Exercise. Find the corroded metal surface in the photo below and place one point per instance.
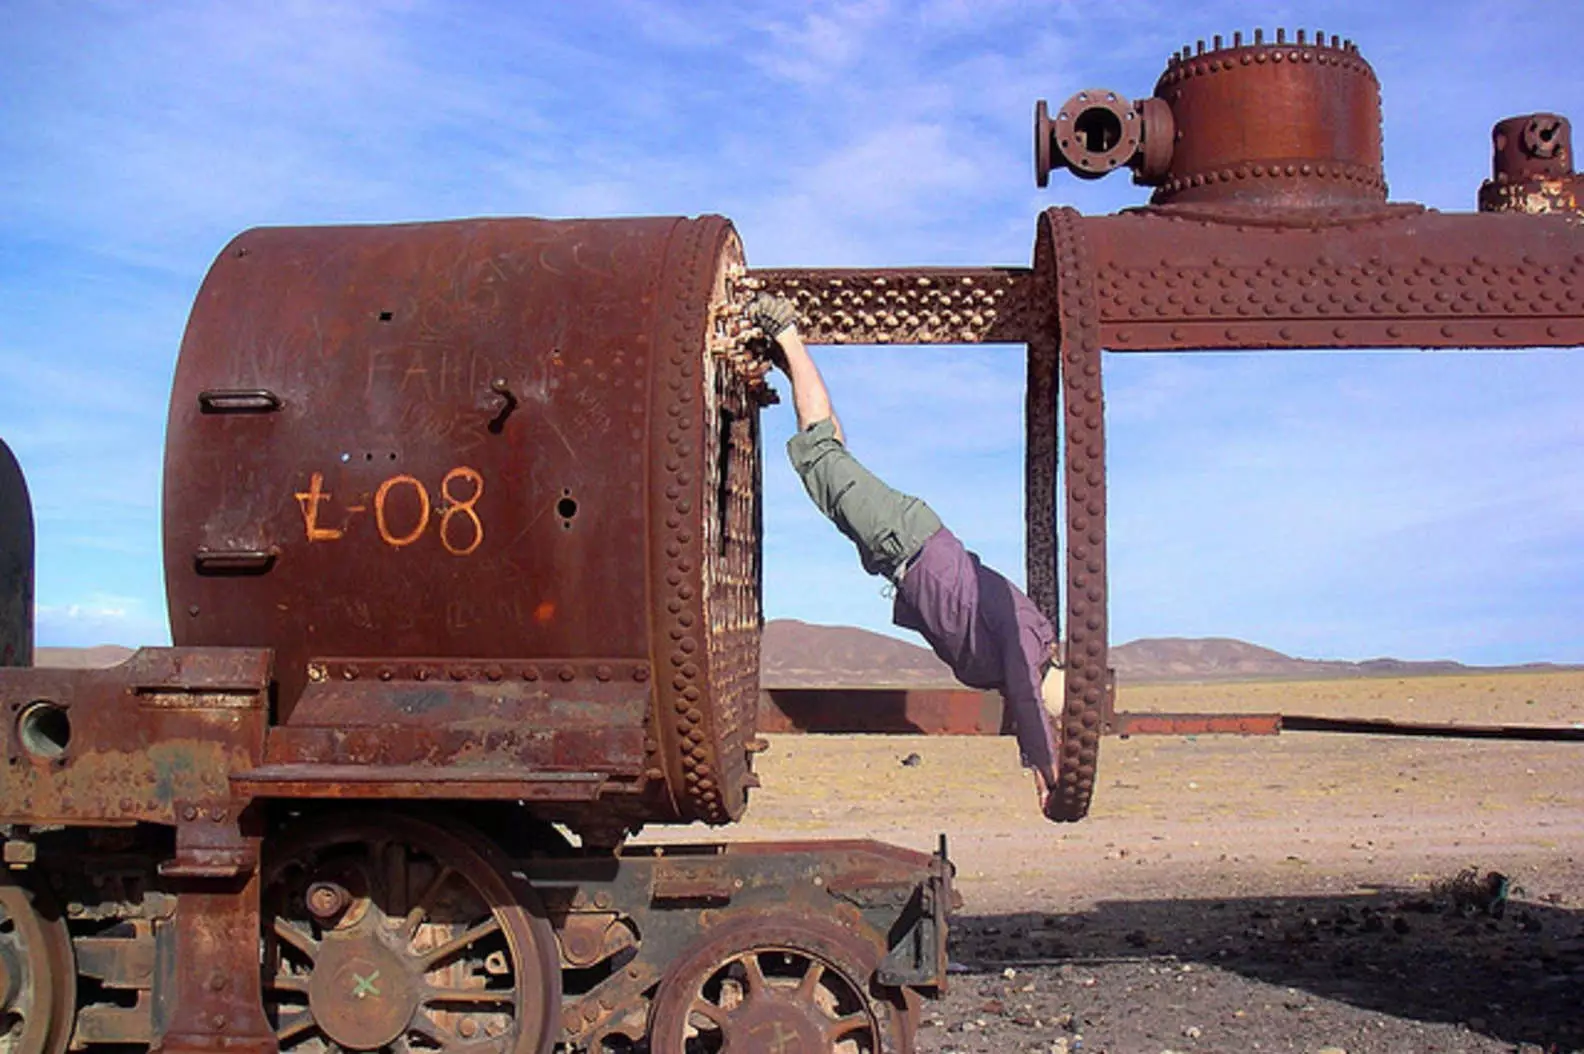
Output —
(1182, 279)
(778, 980)
(16, 564)
(149, 741)
(425, 460)
(1041, 459)
(1062, 250)
(475, 964)
(1186, 278)
(515, 951)
(1283, 123)
(920, 305)
(887, 903)
(1532, 168)
(38, 990)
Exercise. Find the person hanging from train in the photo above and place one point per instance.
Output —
(981, 625)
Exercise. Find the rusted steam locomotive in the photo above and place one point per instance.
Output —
(462, 541)
(462, 535)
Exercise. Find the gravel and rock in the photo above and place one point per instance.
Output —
(1306, 893)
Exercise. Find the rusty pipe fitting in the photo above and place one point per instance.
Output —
(1098, 131)
(1289, 123)
(1532, 167)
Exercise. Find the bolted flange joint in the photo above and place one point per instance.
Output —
(1098, 131)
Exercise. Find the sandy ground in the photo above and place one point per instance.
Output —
(1274, 893)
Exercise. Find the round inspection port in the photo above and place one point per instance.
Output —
(44, 730)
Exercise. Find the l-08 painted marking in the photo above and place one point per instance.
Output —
(452, 506)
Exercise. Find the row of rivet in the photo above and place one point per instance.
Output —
(1429, 288)
(689, 320)
(1274, 55)
(1312, 333)
(1366, 176)
(1243, 218)
(1086, 639)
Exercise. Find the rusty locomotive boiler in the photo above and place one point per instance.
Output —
(462, 538)
(497, 477)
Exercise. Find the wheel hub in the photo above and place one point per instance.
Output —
(362, 992)
(775, 1025)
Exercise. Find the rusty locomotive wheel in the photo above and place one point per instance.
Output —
(784, 982)
(38, 974)
(388, 933)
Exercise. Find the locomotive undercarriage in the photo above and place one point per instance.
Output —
(410, 930)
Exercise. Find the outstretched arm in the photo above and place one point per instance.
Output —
(810, 398)
(774, 316)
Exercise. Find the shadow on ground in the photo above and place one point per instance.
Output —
(1510, 970)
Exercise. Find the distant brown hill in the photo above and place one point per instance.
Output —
(804, 655)
(80, 658)
(797, 654)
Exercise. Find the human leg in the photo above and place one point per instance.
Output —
(886, 525)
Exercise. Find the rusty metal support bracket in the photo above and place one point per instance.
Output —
(916, 305)
(217, 1007)
(1062, 251)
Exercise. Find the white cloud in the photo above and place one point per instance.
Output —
(1313, 502)
(99, 618)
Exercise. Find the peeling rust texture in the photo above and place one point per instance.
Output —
(923, 305)
(487, 463)
(16, 564)
(1532, 168)
(151, 740)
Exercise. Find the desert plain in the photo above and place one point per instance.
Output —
(1306, 892)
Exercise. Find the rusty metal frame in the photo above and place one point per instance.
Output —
(1187, 278)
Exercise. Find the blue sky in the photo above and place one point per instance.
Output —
(1328, 505)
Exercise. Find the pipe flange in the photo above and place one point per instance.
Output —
(1096, 132)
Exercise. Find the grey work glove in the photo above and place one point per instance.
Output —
(772, 314)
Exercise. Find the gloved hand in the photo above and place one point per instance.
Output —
(772, 314)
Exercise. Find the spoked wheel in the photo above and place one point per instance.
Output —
(787, 983)
(388, 933)
(38, 974)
